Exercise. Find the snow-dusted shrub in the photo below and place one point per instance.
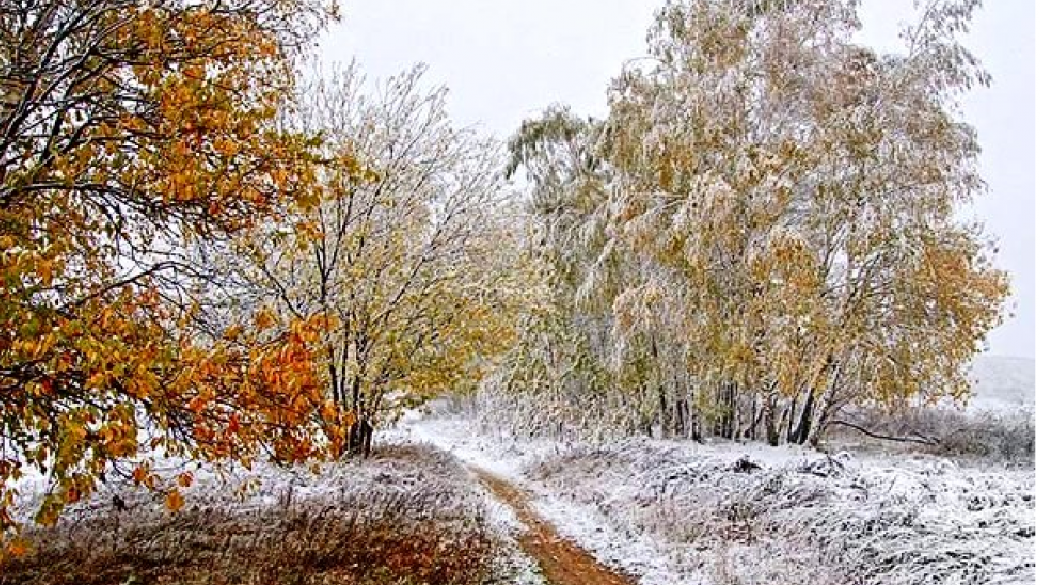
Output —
(1000, 436)
(1004, 436)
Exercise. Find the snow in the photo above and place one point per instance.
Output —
(522, 569)
(424, 484)
(623, 550)
(680, 513)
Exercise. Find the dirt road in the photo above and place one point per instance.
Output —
(562, 562)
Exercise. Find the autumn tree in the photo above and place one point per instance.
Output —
(128, 130)
(407, 259)
(779, 237)
(556, 372)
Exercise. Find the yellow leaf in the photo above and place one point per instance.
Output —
(232, 333)
(46, 272)
(264, 319)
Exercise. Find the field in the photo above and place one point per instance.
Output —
(448, 498)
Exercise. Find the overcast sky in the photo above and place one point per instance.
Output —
(505, 60)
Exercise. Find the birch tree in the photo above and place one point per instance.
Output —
(778, 239)
(407, 259)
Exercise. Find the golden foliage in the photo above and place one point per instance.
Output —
(130, 131)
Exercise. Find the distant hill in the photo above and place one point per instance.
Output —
(1003, 383)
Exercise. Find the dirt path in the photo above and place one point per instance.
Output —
(562, 562)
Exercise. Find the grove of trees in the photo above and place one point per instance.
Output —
(763, 230)
(213, 248)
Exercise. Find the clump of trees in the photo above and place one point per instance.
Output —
(762, 231)
(406, 255)
(206, 254)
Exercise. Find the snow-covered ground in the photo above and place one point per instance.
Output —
(683, 513)
(633, 554)
(401, 483)
(678, 513)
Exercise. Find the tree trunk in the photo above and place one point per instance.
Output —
(334, 376)
(663, 411)
(734, 425)
(355, 395)
(757, 414)
(726, 427)
(828, 404)
(679, 418)
(801, 433)
(772, 432)
(789, 414)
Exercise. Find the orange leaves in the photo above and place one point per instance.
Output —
(18, 546)
(174, 500)
(233, 333)
(76, 431)
(307, 231)
(197, 404)
(234, 423)
(350, 418)
(185, 479)
(45, 270)
(330, 413)
(265, 319)
(187, 148)
(226, 147)
(140, 474)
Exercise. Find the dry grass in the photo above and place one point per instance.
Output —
(400, 537)
(1006, 438)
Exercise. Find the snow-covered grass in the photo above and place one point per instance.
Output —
(678, 512)
(610, 543)
(411, 514)
(994, 438)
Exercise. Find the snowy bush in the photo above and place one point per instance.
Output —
(999, 436)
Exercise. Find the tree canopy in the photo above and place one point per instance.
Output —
(127, 131)
(763, 230)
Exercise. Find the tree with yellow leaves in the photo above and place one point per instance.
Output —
(405, 256)
(775, 236)
(128, 130)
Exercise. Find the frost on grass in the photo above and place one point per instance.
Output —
(511, 564)
(840, 519)
(677, 512)
(410, 512)
(510, 458)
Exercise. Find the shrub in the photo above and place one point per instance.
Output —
(1005, 437)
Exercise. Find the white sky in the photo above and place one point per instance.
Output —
(506, 60)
